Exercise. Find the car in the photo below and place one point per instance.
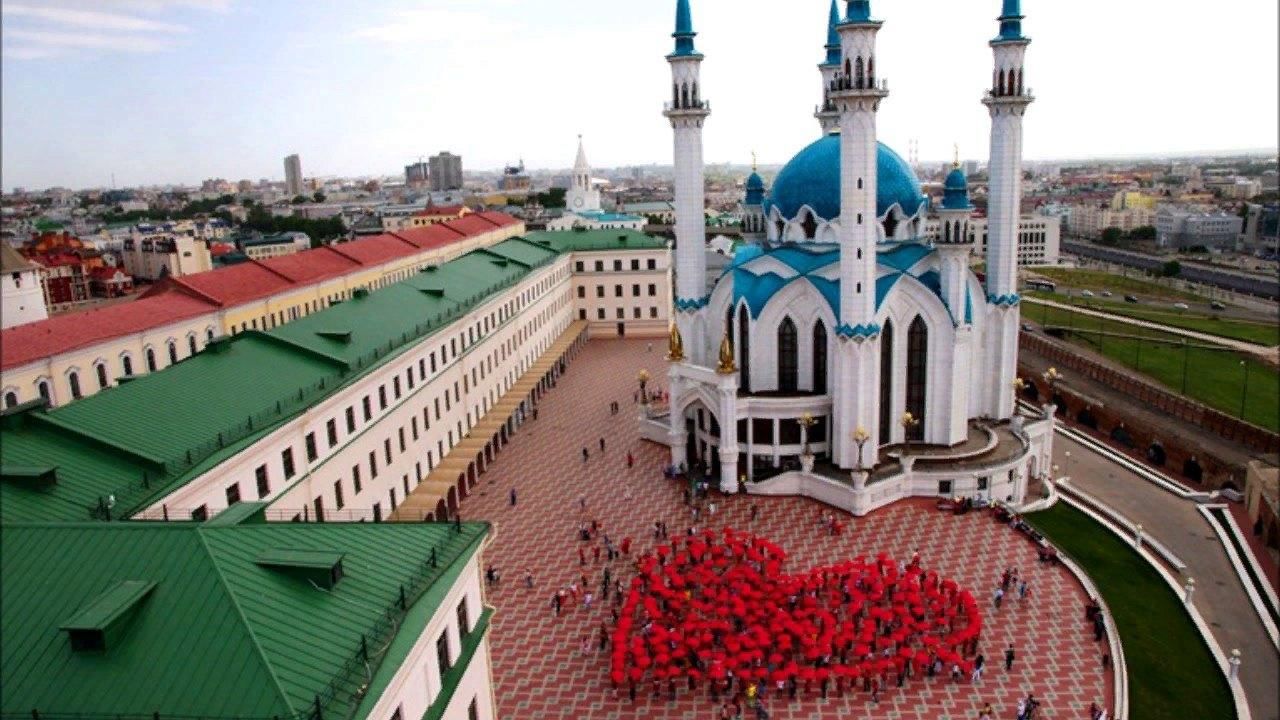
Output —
(1028, 327)
(1086, 293)
(1106, 293)
(1217, 305)
(1131, 298)
(1179, 306)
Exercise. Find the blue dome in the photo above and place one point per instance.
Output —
(955, 191)
(813, 178)
(755, 190)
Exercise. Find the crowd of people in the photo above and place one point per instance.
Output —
(717, 609)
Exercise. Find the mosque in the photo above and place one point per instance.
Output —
(841, 349)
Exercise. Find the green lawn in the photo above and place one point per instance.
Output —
(1192, 319)
(1097, 280)
(1214, 377)
(1172, 674)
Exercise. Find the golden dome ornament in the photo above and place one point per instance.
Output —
(675, 345)
(726, 366)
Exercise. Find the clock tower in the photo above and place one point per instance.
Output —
(582, 196)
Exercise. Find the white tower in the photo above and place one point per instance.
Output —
(857, 97)
(1007, 100)
(582, 195)
(827, 115)
(954, 248)
(687, 112)
(21, 294)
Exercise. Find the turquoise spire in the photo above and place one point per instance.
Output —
(684, 33)
(1011, 21)
(833, 37)
(859, 11)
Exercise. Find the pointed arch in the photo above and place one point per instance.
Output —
(917, 373)
(1000, 85)
(886, 381)
(684, 95)
(788, 356)
(695, 93)
(871, 71)
(744, 348)
(819, 357)
(858, 75)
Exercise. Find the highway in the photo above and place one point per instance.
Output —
(1222, 278)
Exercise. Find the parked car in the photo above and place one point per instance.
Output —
(1086, 293)
(1217, 305)
(1179, 306)
(1028, 327)
(1106, 293)
(1131, 298)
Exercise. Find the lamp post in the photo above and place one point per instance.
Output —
(908, 422)
(1067, 455)
(643, 377)
(806, 421)
(1018, 386)
(860, 438)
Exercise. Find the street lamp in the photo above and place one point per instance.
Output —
(1018, 386)
(806, 421)
(643, 377)
(860, 437)
(1067, 455)
(908, 422)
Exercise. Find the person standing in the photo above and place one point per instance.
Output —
(1008, 658)
(585, 454)
(513, 497)
(601, 444)
(557, 601)
(978, 663)
(528, 578)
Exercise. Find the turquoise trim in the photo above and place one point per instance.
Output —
(686, 305)
(858, 332)
(1006, 300)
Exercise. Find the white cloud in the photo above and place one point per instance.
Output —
(49, 39)
(89, 18)
(427, 25)
(29, 52)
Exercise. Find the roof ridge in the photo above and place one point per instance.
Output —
(244, 620)
(294, 345)
(334, 247)
(273, 271)
(182, 287)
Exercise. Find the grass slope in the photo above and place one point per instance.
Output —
(1172, 674)
(1255, 332)
(1213, 377)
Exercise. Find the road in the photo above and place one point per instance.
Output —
(1269, 354)
(1220, 596)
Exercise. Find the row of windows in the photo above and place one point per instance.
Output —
(619, 313)
(618, 290)
(446, 657)
(598, 265)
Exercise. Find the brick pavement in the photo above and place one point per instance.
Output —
(540, 670)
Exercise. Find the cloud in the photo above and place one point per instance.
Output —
(427, 25)
(29, 52)
(48, 40)
(89, 18)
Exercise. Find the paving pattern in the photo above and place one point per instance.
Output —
(540, 667)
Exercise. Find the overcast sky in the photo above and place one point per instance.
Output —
(162, 91)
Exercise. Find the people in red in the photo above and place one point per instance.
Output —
(718, 606)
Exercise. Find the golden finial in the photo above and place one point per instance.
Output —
(956, 148)
(726, 366)
(753, 161)
(675, 345)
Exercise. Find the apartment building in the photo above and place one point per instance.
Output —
(1039, 238)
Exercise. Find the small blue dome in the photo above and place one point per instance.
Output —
(812, 178)
(755, 190)
(955, 191)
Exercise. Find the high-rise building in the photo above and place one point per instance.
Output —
(446, 171)
(293, 175)
(416, 175)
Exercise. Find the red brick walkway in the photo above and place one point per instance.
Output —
(540, 670)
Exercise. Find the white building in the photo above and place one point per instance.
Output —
(842, 334)
(1039, 238)
(582, 203)
(1179, 228)
(153, 252)
(21, 296)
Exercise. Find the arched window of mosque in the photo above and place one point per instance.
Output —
(1020, 76)
(857, 72)
(871, 70)
(917, 373)
(788, 356)
(73, 379)
(10, 399)
(695, 94)
(101, 369)
(126, 363)
(809, 225)
(847, 71)
(782, 227)
(728, 325)
(886, 381)
(890, 225)
(859, 183)
(744, 349)
(819, 357)
(684, 95)
(946, 232)
(675, 95)
(1000, 86)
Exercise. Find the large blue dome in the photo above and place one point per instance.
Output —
(813, 178)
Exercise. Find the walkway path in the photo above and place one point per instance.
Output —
(1177, 524)
(540, 668)
(1269, 354)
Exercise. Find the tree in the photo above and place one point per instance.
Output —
(1111, 236)
(1144, 232)
(318, 197)
(299, 199)
(1171, 269)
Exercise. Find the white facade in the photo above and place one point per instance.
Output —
(851, 312)
(623, 293)
(21, 296)
(582, 195)
(1039, 238)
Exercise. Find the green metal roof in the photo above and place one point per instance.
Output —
(122, 449)
(217, 636)
(597, 240)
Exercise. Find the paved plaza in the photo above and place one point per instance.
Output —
(540, 667)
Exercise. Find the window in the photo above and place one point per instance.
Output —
(473, 711)
(635, 291)
(200, 514)
(886, 381)
(45, 394)
(464, 620)
(262, 481)
(173, 353)
(744, 350)
(917, 373)
(233, 494)
(191, 344)
(617, 266)
(442, 652)
(102, 376)
(393, 499)
(10, 399)
(373, 464)
(617, 291)
(73, 379)
(635, 313)
(337, 495)
(400, 432)
(382, 397)
(635, 264)
(286, 459)
(351, 419)
(311, 446)
(126, 363)
(819, 357)
(653, 311)
(331, 429)
(788, 356)
(599, 291)
(377, 512)
(395, 386)
(653, 290)
(386, 449)
(151, 360)
(367, 406)
(398, 714)
(651, 264)
(582, 291)
(621, 314)
(577, 267)
(355, 479)
(599, 266)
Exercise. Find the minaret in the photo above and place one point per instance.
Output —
(1007, 101)
(753, 229)
(857, 99)
(826, 112)
(582, 196)
(687, 111)
(954, 245)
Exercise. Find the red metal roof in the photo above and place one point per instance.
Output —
(474, 224)
(232, 285)
(430, 237)
(442, 210)
(22, 344)
(311, 265)
(375, 249)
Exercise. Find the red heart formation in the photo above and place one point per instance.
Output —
(721, 609)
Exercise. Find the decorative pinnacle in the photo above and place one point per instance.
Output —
(753, 161)
(1011, 21)
(956, 164)
(833, 37)
(859, 11)
(684, 33)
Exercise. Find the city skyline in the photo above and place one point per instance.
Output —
(375, 95)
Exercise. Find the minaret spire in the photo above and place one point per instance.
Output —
(684, 33)
(833, 37)
(826, 113)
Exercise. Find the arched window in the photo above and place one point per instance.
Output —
(173, 353)
(695, 94)
(10, 399)
(871, 71)
(946, 232)
(73, 379)
(101, 369)
(728, 326)
(917, 373)
(788, 356)
(1000, 85)
(42, 387)
(819, 357)
(151, 360)
(890, 224)
(744, 349)
(858, 77)
(208, 335)
(191, 343)
(126, 363)
(1020, 74)
(684, 95)
(809, 225)
(675, 95)
(886, 381)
